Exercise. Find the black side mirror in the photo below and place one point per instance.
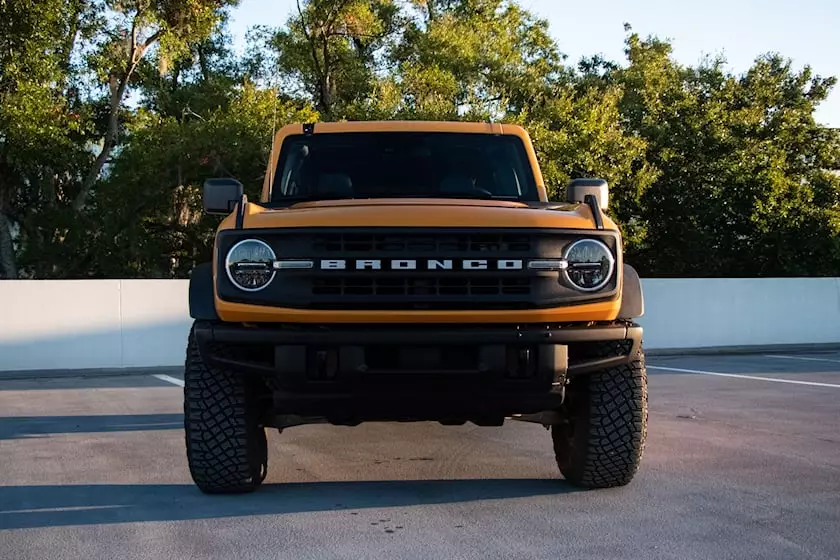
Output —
(578, 190)
(221, 195)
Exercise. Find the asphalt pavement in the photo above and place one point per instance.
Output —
(742, 462)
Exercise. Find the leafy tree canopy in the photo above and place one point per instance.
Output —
(113, 112)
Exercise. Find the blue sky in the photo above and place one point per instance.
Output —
(807, 31)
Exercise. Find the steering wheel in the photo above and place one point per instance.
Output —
(483, 191)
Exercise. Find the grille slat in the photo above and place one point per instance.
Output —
(421, 243)
(427, 287)
(421, 286)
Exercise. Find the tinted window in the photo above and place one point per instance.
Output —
(384, 164)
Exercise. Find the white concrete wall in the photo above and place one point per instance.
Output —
(702, 313)
(81, 324)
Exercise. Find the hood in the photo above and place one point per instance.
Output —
(420, 212)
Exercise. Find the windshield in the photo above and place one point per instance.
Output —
(403, 164)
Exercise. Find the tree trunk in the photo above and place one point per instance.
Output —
(431, 12)
(203, 64)
(117, 91)
(327, 87)
(118, 86)
(8, 269)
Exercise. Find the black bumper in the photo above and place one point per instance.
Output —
(349, 357)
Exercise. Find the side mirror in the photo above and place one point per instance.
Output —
(577, 190)
(221, 195)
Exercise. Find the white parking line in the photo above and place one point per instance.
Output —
(802, 358)
(754, 377)
(169, 379)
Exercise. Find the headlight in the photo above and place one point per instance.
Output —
(590, 265)
(250, 265)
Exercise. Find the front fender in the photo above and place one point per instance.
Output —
(202, 305)
(632, 299)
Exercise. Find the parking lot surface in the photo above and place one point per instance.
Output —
(742, 461)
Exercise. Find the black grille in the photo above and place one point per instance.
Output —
(429, 286)
(386, 287)
(421, 243)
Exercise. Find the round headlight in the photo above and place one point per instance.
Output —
(590, 265)
(250, 265)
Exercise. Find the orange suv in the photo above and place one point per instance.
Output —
(413, 271)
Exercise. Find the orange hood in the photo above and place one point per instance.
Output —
(419, 212)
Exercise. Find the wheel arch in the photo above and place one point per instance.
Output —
(632, 298)
(201, 296)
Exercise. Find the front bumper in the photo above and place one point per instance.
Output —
(335, 358)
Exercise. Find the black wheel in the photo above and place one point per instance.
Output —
(603, 441)
(227, 450)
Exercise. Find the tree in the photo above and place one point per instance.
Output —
(328, 50)
(67, 70)
(577, 132)
(743, 185)
(711, 173)
(472, 59)
(44, 122)
(137, 26)
(150, 218)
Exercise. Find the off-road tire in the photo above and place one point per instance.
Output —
(226, 446)
(603, 441)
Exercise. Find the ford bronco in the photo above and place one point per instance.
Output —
(413, 271)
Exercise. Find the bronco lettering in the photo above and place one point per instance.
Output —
(415, 264)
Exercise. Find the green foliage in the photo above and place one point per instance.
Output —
(744, 184)
(114, 112)
(474, 59)
(329, 49)
(577, 133)
(44, 125)
(66, 68)
(149, 213)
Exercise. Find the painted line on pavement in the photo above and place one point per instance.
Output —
(802, 358)
(169, 379)
(753, 377)
(180, 383)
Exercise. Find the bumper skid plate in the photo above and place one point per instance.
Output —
(532, 356)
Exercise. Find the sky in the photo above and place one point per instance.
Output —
(807, 31)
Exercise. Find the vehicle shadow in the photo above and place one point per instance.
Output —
(746, 364)
(17, 427)
(134, 378)
(24, 507)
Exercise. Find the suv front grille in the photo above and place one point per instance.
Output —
(378, 285)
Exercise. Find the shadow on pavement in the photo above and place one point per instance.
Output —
(23, 507)
(16, 427)
(746, 365)
(69, 382)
